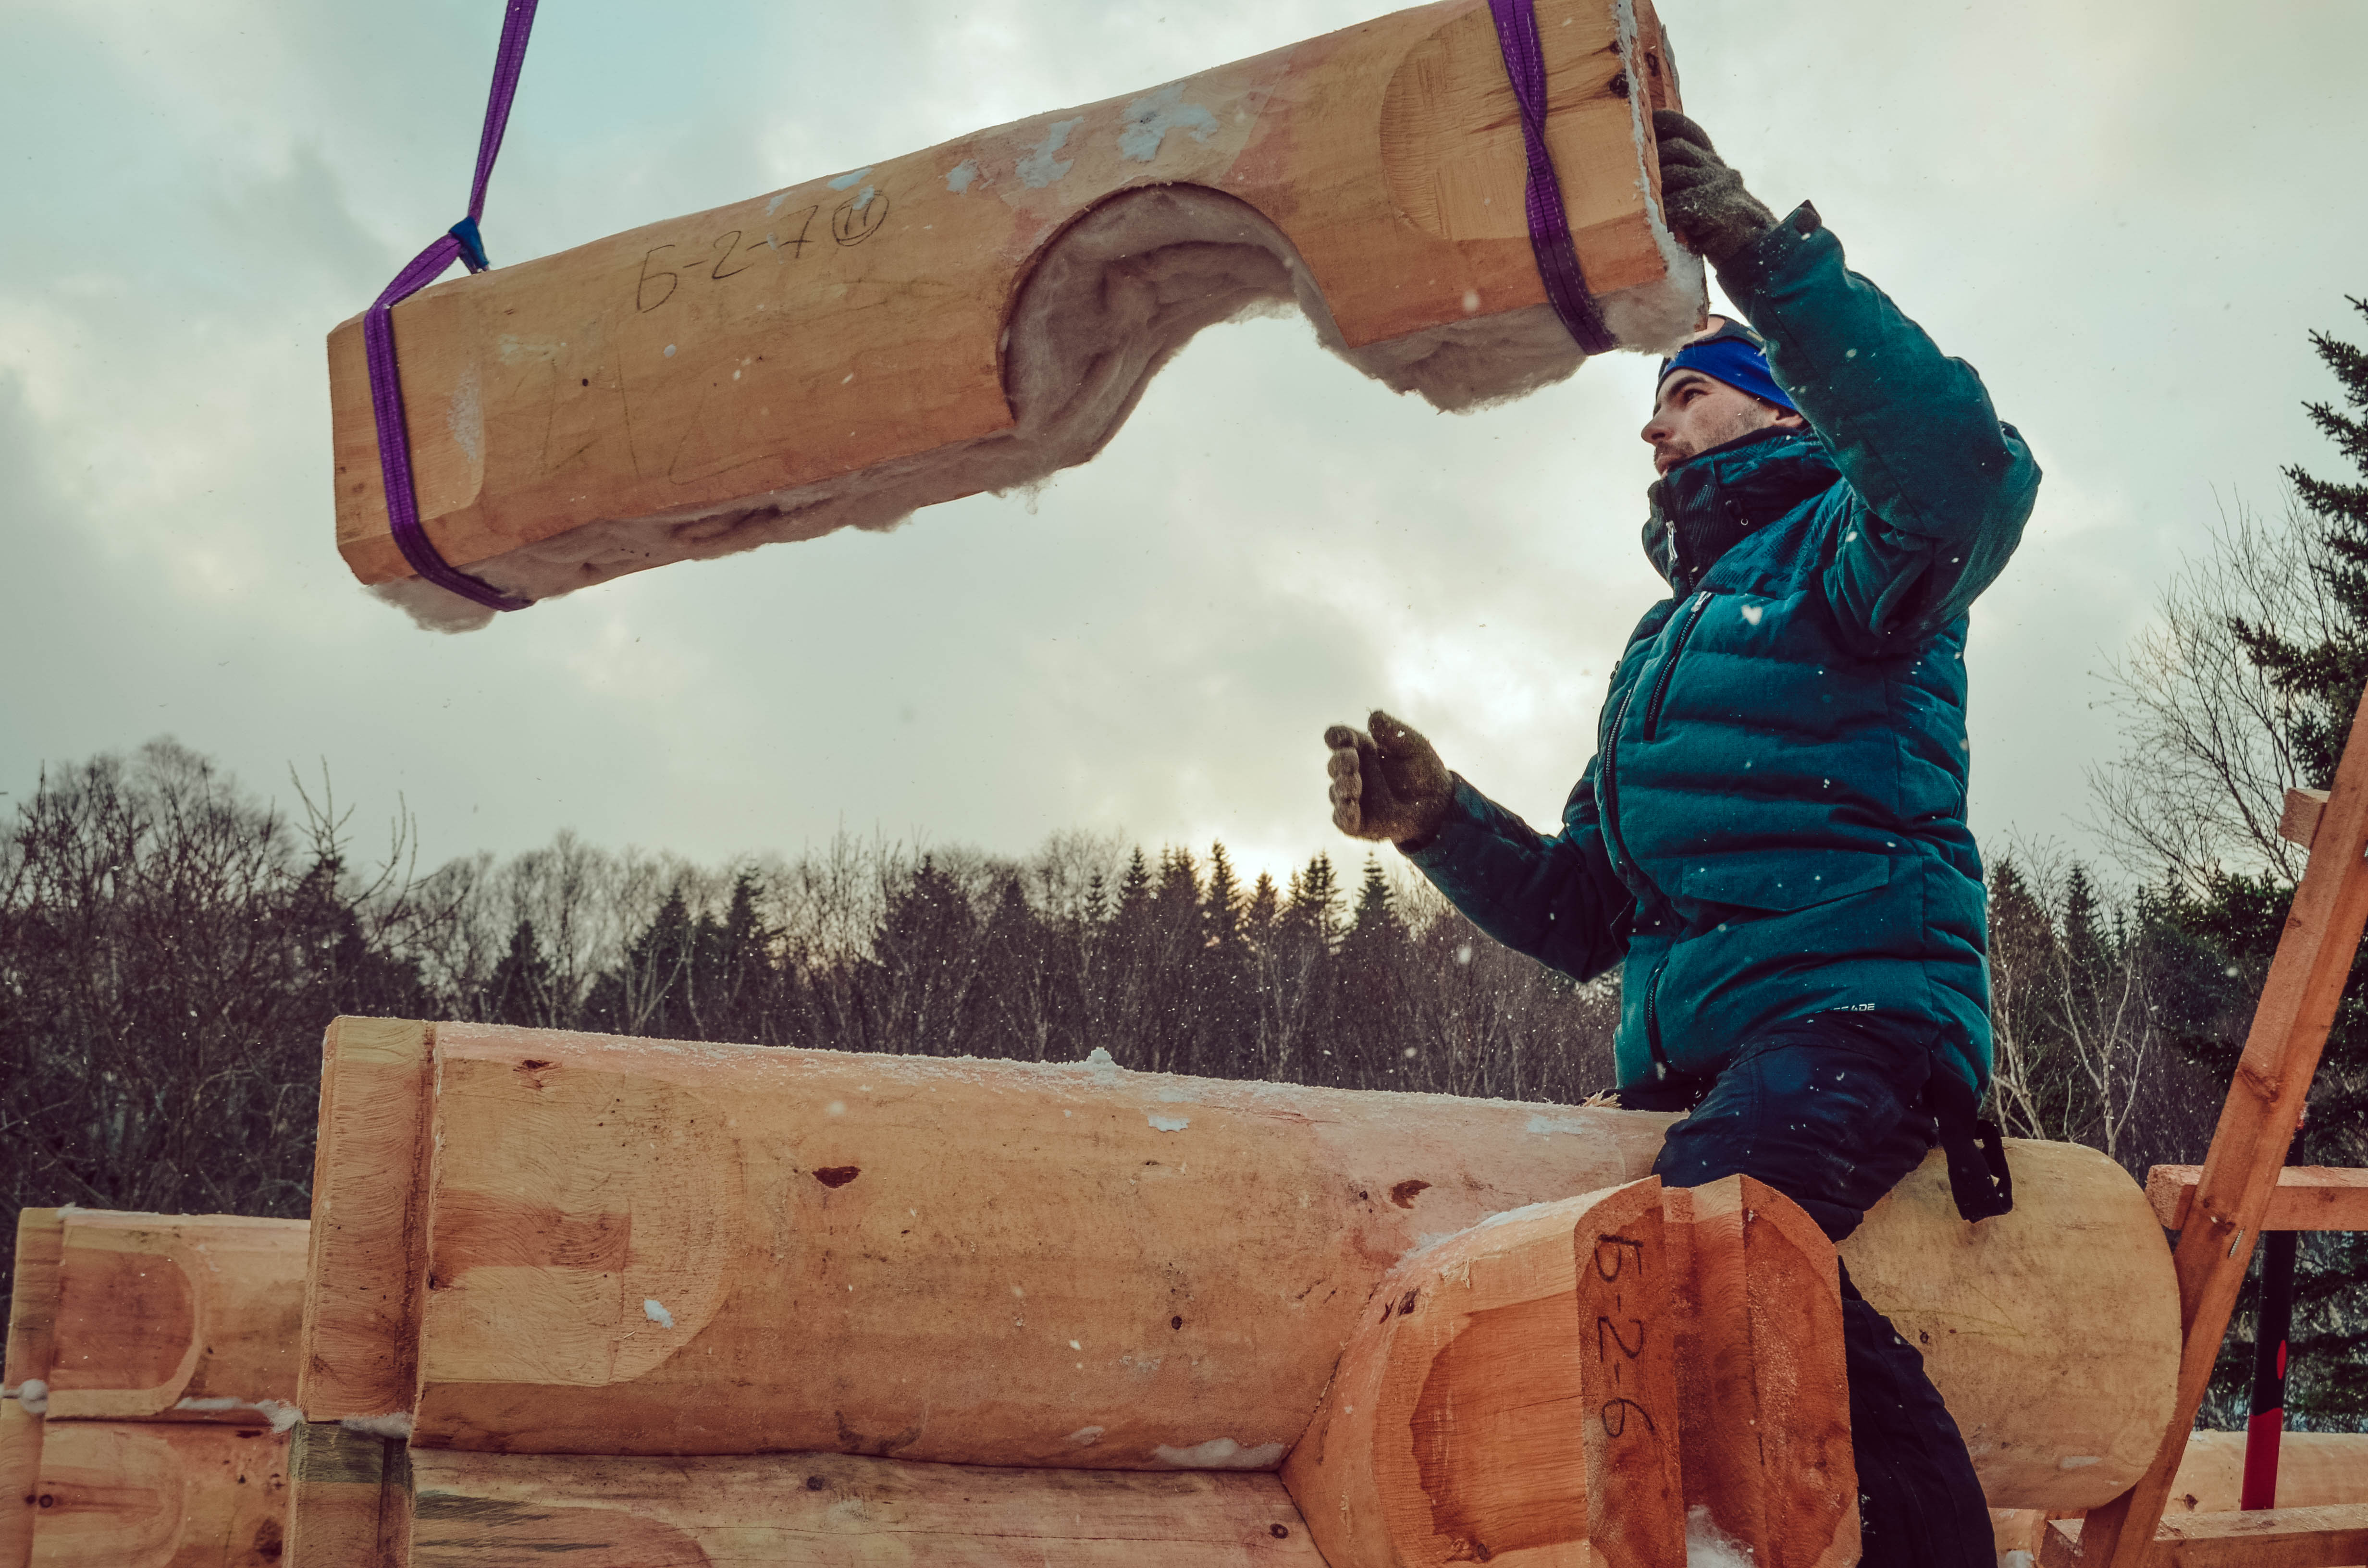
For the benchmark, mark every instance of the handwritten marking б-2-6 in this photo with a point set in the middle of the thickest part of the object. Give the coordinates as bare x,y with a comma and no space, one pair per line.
853,221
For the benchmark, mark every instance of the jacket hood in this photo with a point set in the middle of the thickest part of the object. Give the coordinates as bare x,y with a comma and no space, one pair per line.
1700,508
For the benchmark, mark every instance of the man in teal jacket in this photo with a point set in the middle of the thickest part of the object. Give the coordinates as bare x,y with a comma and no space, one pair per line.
1771,839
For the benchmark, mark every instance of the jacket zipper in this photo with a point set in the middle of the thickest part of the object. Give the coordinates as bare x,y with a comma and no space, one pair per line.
1669,665
1653,1018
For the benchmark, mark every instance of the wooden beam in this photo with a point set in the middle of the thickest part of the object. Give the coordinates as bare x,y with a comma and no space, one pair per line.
2298,824
2265,1103
2267,1538
176,1317
620,1231
360,1337
979,314
175,1494
2308,1198
2315,1469
828,1510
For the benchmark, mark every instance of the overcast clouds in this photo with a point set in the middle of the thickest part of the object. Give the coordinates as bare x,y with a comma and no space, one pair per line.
2125,215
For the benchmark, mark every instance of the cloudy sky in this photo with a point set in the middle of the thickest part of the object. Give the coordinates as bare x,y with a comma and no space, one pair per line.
2126,215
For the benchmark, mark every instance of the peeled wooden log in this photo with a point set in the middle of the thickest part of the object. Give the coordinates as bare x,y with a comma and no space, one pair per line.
657,1247
166,1317
621,1241
1472,1418
476,1510
981,314
159,1495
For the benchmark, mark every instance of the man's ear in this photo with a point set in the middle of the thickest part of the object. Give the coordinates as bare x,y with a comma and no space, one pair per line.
1790,418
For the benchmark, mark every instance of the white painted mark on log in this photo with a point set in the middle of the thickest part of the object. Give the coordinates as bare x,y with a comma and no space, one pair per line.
1167,1123
849,182
958,178
1087,1436
1150,118
655,1311
1043,166
1220,1453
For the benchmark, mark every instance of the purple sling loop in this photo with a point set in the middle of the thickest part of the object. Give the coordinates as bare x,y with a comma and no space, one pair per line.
1550,239
461,244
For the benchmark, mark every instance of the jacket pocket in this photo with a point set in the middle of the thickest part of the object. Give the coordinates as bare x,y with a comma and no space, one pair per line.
1784,879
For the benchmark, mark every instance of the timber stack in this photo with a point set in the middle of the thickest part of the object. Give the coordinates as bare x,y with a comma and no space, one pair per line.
152,1381
981,314
704,1302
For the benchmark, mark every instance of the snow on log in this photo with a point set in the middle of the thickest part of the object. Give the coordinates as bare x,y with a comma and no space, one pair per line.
668,1248
981,314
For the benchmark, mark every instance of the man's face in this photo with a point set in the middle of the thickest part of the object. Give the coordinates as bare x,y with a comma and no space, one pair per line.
1692,413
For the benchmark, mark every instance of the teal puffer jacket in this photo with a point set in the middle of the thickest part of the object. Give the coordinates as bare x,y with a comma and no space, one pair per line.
1774,821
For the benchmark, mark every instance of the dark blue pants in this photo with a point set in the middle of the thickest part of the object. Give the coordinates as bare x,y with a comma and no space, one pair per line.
1830,1111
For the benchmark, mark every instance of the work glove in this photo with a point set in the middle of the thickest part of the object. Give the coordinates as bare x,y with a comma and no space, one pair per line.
1704,200
1388,784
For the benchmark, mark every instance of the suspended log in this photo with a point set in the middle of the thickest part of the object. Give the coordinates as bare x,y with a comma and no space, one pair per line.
981,314
1069,1264
176,1317
159,1495
1474,1418
829,1510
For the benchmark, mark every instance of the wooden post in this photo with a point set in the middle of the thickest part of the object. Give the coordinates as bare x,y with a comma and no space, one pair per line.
979,314
360,1336
2265,1103
350,1502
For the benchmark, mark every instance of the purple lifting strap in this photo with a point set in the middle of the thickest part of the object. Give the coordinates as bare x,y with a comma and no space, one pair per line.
461,244
1525,64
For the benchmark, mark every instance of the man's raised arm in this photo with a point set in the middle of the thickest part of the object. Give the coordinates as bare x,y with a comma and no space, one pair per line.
1944,486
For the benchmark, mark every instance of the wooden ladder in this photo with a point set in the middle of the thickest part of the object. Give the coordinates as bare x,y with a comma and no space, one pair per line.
2243,1188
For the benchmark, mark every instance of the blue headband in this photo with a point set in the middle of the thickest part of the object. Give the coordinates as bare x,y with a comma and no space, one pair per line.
1732,359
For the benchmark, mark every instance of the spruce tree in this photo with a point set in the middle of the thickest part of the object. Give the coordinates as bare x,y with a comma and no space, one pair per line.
2229,933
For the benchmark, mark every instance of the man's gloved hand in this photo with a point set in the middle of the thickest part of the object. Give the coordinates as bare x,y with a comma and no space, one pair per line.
1388,784
1708,208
